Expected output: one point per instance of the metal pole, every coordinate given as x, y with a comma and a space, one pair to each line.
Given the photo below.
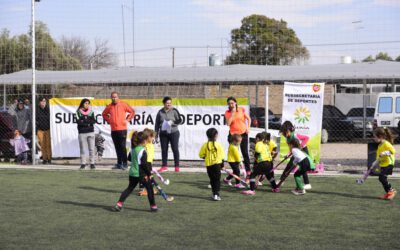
393, 86
222, 52
173, 57
123, 33
208, 63
256, 97
133, 32
364, 108
33, 85
4, 97
266, 108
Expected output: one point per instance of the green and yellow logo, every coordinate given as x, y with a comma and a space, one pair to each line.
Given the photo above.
302, 115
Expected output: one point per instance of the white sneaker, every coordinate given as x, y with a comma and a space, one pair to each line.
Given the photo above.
260, 183
227, 182
209, 186
216, 198
298, 191
307, 187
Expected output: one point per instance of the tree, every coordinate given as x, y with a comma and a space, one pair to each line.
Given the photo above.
76, 47
398, 59
49, 54
102, 56
262, 40
15, 52
383, 56
79, 48
369, 59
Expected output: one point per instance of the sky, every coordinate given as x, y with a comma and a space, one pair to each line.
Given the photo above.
197, 28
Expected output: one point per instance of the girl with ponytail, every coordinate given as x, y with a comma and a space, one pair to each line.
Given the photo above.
386, 157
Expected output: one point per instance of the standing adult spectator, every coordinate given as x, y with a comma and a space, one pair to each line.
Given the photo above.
236, 118
167, 121
43, 129
86, 120
23, 119
27, 103
13, 108
115, 115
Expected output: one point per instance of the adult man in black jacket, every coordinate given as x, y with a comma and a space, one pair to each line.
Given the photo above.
43, 129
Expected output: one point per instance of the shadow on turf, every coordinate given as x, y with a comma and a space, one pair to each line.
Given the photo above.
100, 189
190, 196
90, 205
347, 195
204, 185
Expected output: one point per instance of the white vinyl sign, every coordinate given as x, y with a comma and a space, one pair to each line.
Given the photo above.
303, 106
198, 115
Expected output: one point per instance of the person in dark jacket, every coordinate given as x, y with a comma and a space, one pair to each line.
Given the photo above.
167, 121
23, 119
86, 120
43, 129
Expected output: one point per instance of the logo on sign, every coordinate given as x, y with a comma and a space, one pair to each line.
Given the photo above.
316, 87
302, 115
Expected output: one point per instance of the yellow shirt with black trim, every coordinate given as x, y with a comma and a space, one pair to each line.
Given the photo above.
150, 152
271, 146
212, 153
386, 160
233, 153
262, 152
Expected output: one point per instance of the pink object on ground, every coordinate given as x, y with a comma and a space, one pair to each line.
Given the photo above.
162, 169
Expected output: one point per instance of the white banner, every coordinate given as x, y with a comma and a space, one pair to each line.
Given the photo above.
198, 115
303, 106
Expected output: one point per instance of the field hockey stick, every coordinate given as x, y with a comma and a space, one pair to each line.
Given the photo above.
367, 173
284, 159
236, 177
162, 192
285, 175
262, 177
244, 170
165, 181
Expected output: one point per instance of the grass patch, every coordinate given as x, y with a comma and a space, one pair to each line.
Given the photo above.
72, 210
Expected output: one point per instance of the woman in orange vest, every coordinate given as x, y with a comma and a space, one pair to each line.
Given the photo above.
236, 118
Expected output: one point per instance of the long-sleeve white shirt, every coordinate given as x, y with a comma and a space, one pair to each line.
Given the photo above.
298, 155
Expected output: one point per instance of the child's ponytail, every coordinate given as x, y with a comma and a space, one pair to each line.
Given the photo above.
388, 135
384, 133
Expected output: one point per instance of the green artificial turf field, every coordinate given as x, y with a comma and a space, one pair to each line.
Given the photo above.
72, 210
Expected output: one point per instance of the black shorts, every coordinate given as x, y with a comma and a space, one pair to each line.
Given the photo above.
263, 167
386, 170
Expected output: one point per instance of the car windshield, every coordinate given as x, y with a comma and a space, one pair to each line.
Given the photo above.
359, 112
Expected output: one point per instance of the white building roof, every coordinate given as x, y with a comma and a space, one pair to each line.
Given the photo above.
228, 73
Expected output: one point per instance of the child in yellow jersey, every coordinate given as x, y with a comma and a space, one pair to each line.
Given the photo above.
149, 146
234, 159
385, 155
213, 155
273, 149
262, 166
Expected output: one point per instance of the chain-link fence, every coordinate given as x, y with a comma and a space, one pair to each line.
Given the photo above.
345, 127
86, 49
